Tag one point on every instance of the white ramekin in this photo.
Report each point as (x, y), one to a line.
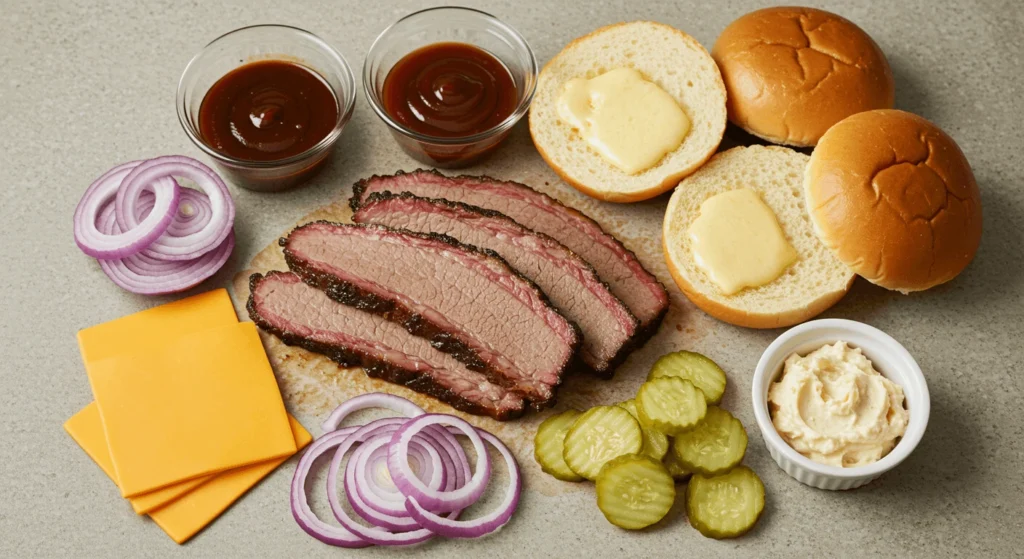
(889, 358)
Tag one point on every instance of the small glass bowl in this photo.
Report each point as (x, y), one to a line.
(251, 44)
(457, 25)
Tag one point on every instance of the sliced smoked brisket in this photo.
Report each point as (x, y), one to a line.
(301, 315)
(629, 281)
(570, 282)
(467, 302)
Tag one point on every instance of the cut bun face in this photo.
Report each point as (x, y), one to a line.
(895, 199)
(666, 56)
(814, 283)
(792, 73)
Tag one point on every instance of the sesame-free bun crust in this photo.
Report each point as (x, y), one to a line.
(814, 283)
(792, 73)
(894, 198)
(666, 56)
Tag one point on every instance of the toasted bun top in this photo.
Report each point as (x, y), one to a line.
(894, 198)
(791, 73)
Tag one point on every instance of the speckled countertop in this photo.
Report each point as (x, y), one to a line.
(84, 86)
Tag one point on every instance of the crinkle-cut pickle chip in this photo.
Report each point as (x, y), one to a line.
(675, 469)
(599, 436)
(634, 491)
(704, 373)
(655, 442)
(725, 506)
(715, 446)
(670, 405)
(548, 445)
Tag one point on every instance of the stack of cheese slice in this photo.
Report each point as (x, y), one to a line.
(187, 413)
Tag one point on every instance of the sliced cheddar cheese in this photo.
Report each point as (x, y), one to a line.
(196, 405)
(86, 428)
(186, 516)
(188, 512)
(150, 329)
(145, 331)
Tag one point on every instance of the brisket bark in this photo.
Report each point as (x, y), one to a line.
(629, 281)
(574, 287)
(300, 315)
(467, 302)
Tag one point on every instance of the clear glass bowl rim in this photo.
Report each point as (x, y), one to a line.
(344, 114)
(500, 128)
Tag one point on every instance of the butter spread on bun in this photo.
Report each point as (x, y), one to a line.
(630, 121)
(894, 198)
(791, 73)
(668, 58)
(808, 286)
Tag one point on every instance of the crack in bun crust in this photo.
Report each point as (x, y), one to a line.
(791, 73)
(895, 199)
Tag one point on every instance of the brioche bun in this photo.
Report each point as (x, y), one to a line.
(792, 73)
(894, 198)
(674, 61)
(814, 283)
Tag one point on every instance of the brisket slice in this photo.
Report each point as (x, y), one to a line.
(467, 302)
(300, 315)
(570, 282)
(629, 281)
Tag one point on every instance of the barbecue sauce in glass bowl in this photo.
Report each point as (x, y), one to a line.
(449, 90)
(267, 110)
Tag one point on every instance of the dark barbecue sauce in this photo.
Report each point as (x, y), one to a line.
(267, 110)
(449, 90)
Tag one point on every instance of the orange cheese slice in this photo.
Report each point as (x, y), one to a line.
(150, 329)
(86, 428)
(192, 509)
(186, 516)
(200, 404)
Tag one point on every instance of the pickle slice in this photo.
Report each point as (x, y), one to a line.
(725, 506)
(655, 442)
(704, 373)
(549, 442)
(599, 436)
(715, 446)
(670, 405)
(634, 491)
(675, 469)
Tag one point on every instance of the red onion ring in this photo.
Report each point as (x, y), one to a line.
(196, 241)
(125, 242)
(358, 466)
(486, 524)
(375, 535)
(409, 485)
(391, 402)
(304, 516)
(194, 213)
(418, 448)
(148, 276)
(381, 494)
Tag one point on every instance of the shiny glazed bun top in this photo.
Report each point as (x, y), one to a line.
(894, 198)
(791, 73)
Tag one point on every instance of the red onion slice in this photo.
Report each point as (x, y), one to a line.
(358, 480)
(194, 213)
(410, 486)
(391, 402)
(376, 534)
(196, 242)
(123, 243)
(148, 276)
(304, 516)
(486, 524)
